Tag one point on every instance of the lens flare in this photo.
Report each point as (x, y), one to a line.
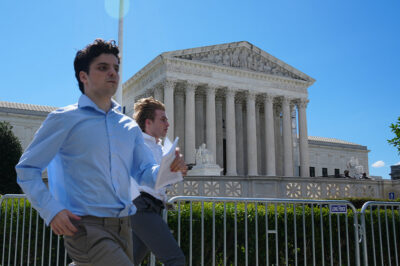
(112, 8)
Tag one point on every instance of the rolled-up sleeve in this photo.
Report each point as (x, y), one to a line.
(45, 145)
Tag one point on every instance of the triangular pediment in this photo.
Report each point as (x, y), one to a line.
(242, 55)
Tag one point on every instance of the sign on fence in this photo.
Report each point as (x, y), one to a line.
(338, 208)
(391, 195)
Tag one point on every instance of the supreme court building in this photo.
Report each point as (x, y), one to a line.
(247, 106)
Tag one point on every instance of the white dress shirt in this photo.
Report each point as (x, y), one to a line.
(158, 150)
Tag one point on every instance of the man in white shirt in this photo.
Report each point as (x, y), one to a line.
(149, 231)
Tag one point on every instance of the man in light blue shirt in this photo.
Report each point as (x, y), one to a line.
(92, 151)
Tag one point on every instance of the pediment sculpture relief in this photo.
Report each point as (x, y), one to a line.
(241, 58)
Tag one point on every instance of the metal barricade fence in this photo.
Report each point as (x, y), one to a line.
(380, 223)
(260, 231)
(24, 237)
(212, 231)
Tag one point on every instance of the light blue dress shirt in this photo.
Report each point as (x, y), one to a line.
(91, 157)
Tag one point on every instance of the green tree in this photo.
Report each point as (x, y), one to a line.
(10, 152)
(395, 127)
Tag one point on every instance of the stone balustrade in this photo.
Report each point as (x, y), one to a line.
(284, 187)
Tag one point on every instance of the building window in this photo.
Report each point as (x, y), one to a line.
(325, 172)
(337, 172)
(312, 171)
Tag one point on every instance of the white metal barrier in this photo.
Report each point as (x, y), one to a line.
(235, 231)
(252, 231)
(380, 223)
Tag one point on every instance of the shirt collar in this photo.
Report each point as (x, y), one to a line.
(85, 101)
(150, 138)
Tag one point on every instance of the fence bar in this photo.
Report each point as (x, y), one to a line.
(339, 247)
(313, 233)
(304, 236)
(395, 236)
(330, 237)
(322, 235)
(191, 234)
(347, 239)
(213, 234)
(286, 237)
(245, 234)
(23, 233)
(224, 233)
(295, 233)
(202, 233)
(256, 231)
(266, 234)
(387, 236)
(235, 233)
(380, 234)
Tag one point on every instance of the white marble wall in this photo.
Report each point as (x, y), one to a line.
(335, 158)
(24, 126)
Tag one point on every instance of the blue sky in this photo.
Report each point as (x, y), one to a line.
(350, 47)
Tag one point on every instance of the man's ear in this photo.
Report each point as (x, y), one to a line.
(83, 76)
(147, 124)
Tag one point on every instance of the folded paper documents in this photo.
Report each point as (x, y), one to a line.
(165, 177)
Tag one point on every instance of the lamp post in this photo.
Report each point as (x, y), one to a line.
(118, 95)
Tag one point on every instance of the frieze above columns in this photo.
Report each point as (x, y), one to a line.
(241, 57)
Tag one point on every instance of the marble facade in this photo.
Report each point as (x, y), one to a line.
(237, 99)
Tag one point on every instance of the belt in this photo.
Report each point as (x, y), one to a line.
(151, 197)
(106, 221)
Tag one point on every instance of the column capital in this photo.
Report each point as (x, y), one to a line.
(286, 100)
(211, 89)
(302, 103)
(169, 84)
(230, 92)
(269, 98)
(191, 86)
(251, 95)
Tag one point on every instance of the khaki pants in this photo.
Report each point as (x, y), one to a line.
(101, 241)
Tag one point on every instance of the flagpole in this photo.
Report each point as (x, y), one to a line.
(120, 45)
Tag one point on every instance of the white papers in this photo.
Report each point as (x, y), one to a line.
(165, 177)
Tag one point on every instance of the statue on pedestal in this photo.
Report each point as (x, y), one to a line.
(205, 163)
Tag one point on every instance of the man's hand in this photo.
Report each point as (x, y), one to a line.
(61, 223)
(178, 164)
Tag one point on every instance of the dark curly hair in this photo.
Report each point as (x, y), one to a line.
(85, 57)
(145, 108)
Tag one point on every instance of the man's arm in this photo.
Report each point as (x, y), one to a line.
(144, 167)
(45, 145)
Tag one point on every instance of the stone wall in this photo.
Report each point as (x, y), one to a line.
(284, 187)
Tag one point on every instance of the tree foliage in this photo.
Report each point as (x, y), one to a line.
(10, 152)
(395, 127)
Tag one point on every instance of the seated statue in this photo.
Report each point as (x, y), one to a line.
(205, 163)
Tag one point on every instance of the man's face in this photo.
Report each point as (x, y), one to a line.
(102, 79)
(159, 127)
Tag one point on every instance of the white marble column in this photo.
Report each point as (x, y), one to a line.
(239, 137)
(230, 133)
(169, 87)
(303, 139)
(158, 94)
(278, 137)
(190, 135)
(287, 138)
(210, 121)
(270, 135)
(251, 134)
(220, 131)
